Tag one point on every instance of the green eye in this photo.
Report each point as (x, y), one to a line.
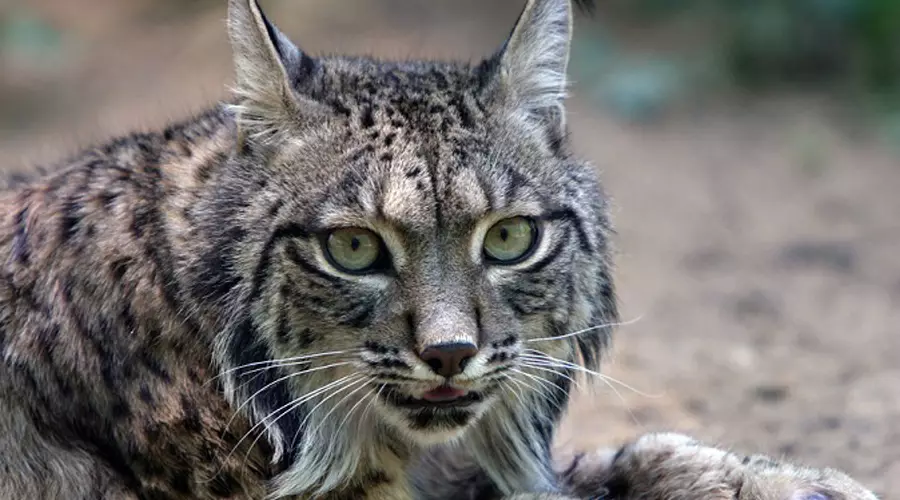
(510, 240)
(353, 250)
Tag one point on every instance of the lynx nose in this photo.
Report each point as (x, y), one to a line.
(449, 359)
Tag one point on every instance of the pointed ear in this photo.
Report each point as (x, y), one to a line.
(534, 59)
(267, 66)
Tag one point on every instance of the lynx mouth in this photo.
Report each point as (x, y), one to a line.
(443, 397)
(444, 394)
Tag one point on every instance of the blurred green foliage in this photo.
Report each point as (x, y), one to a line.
(848, 47)
(791, 41)
(26, 34)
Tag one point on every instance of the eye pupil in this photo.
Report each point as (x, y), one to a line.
(353, 250)
(510, 241)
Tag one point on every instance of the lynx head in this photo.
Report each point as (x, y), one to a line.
(409, 231)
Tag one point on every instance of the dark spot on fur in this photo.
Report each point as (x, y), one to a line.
(120, 410)
(181, 482)
(204, 171)
(69, 219)
(366, 119)
(191, 416)
(108, 198)
(119, 267)
(617, 487)
(441, 419)
(145, 394)
(214, 274)
(140, 222)
(156, 368)
(225, 485)
(340, 108)
(465, 114)
(154, 493)
(376, 347)
(273, 210)
(386, 156)
(359, 317)
(20, 251)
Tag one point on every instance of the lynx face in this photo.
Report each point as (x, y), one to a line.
(425, 231)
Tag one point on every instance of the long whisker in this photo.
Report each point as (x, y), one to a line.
(352, 408)
(369, 407)
(287, 409)
(526, 386)
(506, 382)
(548, 368)
(282, 379)
(282, 360)
(586, 330)
(605, 380)
(341, 383)
(320, 403)
(337, 405)
(574, 366)
(543, 391)
(259, 371)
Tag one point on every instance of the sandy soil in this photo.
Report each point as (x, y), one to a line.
(759, 240)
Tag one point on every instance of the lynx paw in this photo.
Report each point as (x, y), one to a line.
(676, 467)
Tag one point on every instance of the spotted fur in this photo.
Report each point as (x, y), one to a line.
(171, 327)
(667, 466)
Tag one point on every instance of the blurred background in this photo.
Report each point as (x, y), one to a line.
(751, 147)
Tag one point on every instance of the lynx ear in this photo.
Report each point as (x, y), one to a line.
(534, 59)
(267, 68)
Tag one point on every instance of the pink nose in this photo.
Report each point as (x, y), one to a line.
(449, 359)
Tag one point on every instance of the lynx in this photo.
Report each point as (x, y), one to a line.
(354, 279)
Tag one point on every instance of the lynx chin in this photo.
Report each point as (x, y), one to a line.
(354, 279)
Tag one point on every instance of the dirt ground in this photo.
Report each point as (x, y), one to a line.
(759, 239)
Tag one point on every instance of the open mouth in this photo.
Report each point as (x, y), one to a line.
(444, 396)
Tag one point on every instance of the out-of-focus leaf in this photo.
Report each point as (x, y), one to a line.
(640, 90)
(25, 34)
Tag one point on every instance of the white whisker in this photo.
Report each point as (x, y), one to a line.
(543, 391)
(352, 408)
(586, 330)
(603, 378)
(341, 383)
(282, 360)
(549, 368)
(324, 400)
(577, 367)
(287, 408)
(507, 383)
(369, 407)
(286, 377)
(337, 405)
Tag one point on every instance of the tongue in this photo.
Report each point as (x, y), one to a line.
(443, 393)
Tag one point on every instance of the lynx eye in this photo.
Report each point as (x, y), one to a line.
(510, 241)
(354, 250)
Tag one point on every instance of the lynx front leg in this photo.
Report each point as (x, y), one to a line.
(677, 467)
